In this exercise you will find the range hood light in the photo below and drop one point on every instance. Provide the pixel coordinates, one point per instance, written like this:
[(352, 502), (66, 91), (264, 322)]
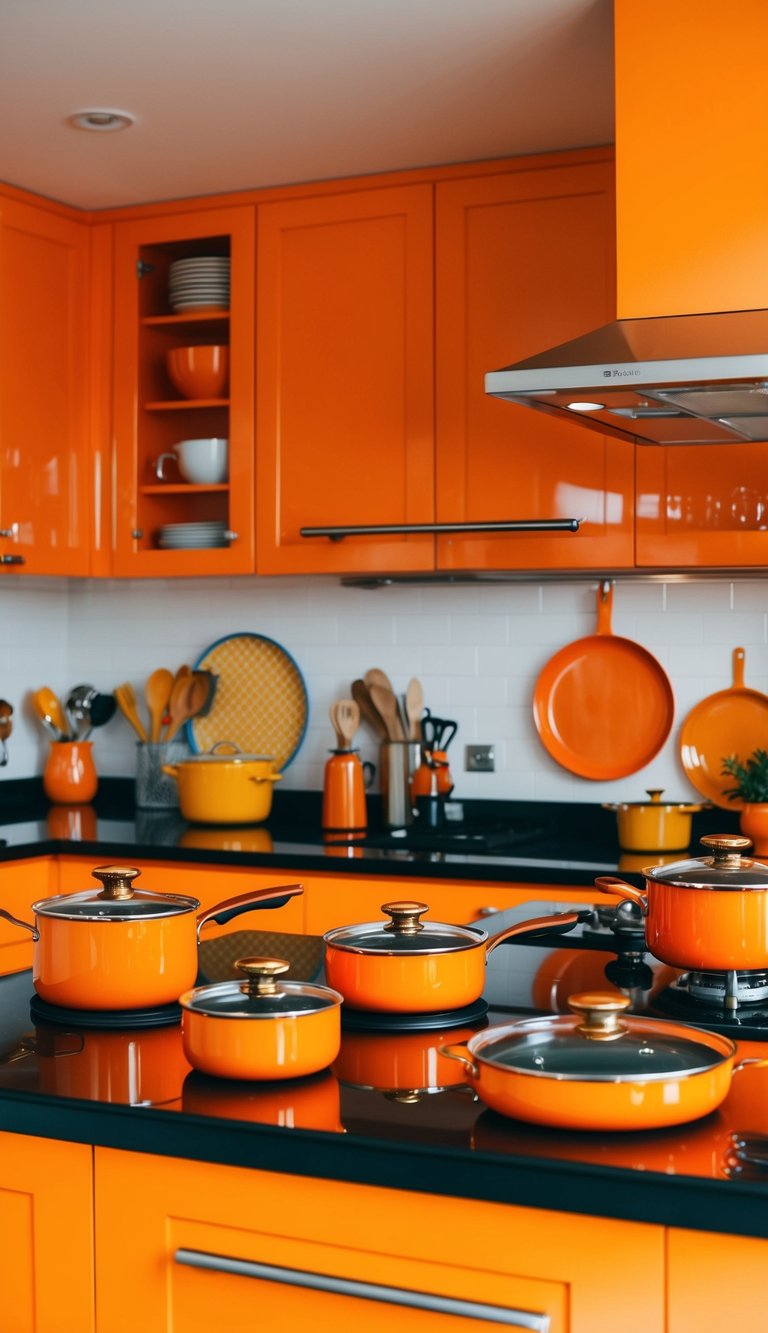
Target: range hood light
[(586, 407)]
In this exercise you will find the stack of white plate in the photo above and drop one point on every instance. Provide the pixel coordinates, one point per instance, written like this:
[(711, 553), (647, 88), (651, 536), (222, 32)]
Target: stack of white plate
[(182, 536), (199, 284)]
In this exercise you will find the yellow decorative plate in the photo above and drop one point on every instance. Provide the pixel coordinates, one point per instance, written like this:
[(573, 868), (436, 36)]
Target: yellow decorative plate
[(260, 701)]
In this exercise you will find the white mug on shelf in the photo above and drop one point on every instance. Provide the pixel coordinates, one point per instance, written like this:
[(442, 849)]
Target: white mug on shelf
[(202, 462)]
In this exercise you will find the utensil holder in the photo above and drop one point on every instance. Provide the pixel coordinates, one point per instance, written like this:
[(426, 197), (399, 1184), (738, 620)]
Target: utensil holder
[(69, 776), (398, 763), (344, 783), (154, 789)]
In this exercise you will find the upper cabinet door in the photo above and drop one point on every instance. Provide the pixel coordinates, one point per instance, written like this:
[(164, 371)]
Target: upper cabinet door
[(525, 260), (178, 517), (345, 380), (46, 473)]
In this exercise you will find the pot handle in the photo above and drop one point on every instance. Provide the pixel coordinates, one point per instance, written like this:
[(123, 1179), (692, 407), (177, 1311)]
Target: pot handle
[(268, 777), (459, 1053), (248, 902), (14, 920), (558, 922), (750, 1060), (609, 884), (171, 769)]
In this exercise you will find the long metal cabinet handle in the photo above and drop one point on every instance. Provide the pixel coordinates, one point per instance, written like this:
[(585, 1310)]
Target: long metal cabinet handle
[(371, 1291), (505, 525), (11, 559)]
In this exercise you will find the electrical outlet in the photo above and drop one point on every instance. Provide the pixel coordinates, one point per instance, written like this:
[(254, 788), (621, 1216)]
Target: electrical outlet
[(479, 758)]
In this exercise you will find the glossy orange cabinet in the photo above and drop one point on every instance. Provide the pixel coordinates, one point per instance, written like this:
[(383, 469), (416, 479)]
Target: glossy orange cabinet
[(46, 1225), (21, 884), (345, 379), (525, 259), (714, 1281), (150, 416), (330, 1255), (48, 481)]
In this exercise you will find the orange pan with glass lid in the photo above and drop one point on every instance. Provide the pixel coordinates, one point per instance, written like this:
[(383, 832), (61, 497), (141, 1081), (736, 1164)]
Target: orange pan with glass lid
[(603, 705), (733, 721)]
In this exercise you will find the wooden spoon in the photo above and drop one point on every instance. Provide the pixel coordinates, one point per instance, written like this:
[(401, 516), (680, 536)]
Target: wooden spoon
[(414, 707), (126, 702), (157, 692), (188, 696), (345, 716), (385, 703), (368, 709)]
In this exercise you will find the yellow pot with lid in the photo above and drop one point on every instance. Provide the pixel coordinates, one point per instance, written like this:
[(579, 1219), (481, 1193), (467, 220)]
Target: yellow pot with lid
[(654, 825), (225, 786)]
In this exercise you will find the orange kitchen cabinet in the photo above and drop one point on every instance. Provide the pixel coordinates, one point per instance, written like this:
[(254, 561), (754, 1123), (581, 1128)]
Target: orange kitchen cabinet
[(21, 884), (702, 506), (714, 1281), (345, 379), (150, 416), (692, 210), (524, 260), (331, 1242), (210, 884), (48, 481), (46, 1224)]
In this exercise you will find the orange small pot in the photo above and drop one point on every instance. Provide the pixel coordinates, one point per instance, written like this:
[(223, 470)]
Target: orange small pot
[(706, 914), (260, 1028), (123, 948), (409, 966), (594, 1070)]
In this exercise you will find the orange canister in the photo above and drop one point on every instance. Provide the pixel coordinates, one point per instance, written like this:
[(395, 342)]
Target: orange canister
[(344, 782), (262, 1027)]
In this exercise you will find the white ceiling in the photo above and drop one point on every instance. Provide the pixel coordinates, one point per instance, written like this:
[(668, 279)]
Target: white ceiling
[(239, 94)]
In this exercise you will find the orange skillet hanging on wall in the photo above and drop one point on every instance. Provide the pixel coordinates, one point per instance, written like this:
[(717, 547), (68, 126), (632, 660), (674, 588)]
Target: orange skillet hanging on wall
[(731, 721), (603, 706)]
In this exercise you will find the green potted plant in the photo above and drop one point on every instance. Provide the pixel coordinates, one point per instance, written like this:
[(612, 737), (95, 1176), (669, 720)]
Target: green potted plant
[(751, 788)]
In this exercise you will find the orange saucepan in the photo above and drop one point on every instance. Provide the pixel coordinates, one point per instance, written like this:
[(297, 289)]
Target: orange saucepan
[(261, 1028), (125, 948), (405, 965), (595, 1070), (709, 913)]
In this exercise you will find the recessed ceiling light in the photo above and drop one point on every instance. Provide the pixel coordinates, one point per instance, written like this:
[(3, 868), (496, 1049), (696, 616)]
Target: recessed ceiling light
[(586, 407), (101, 119)]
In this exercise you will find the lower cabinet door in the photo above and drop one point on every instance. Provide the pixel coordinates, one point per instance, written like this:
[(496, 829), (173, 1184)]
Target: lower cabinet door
[(46, 1231), (218, 1246), (21, 884), (715, 1281)]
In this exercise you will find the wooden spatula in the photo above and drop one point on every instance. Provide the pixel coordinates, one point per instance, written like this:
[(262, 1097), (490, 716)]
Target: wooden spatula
[(385, 703), (368, 710)]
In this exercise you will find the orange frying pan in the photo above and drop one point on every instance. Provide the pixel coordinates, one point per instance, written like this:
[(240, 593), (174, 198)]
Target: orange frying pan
[(732, 721), (603, 706)]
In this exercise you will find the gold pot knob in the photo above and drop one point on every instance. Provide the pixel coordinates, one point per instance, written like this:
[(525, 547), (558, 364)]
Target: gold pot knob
[(261, 974), (116, 881), (601, 1010), (726, 848), (405, 917)]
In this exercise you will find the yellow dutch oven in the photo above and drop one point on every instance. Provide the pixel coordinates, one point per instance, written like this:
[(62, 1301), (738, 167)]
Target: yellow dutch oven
[(653, 826), (225, 786)]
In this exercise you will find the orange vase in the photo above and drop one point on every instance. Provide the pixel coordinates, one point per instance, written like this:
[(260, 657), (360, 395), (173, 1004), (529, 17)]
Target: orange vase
[(69, 777), (753, 822)]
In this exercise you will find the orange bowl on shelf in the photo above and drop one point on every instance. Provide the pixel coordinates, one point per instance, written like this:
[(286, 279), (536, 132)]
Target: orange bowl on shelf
[(199, 372)]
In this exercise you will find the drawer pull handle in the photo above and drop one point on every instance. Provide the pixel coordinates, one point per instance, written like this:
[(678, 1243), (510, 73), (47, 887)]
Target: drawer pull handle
[(390, 529), (11, 559), (370, 1291)]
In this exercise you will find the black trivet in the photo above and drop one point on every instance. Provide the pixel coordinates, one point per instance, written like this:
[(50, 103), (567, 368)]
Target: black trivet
[(158, 1016), (370, 1021)]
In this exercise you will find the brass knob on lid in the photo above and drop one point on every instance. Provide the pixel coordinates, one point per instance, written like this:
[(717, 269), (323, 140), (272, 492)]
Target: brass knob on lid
[(405, 917), (116, 881), (726, 848), (260, 974), (601, 1009)]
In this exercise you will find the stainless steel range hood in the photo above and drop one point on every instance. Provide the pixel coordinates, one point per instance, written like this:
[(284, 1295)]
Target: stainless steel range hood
[(681, 379)]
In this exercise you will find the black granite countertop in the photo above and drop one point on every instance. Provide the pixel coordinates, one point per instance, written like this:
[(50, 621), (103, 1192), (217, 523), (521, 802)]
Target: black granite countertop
[(528, 842)]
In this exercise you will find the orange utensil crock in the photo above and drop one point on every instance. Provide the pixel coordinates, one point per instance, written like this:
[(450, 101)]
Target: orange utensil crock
[(69, 776)]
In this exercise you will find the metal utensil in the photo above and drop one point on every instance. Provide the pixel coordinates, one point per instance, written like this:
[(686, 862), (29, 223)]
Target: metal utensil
[(77, 707), (50, 712)]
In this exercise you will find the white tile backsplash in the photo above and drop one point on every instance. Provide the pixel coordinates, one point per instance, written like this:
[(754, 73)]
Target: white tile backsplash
[(477, 650)]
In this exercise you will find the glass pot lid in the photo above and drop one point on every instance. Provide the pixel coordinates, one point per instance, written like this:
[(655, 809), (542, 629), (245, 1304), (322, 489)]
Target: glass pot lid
[(726, 867), (405, 933), (596, 1044), (260, 994), (117, 900)]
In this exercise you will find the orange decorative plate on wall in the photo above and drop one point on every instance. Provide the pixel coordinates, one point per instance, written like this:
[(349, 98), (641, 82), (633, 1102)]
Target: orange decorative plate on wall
[(260, 701), (733, 721)]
